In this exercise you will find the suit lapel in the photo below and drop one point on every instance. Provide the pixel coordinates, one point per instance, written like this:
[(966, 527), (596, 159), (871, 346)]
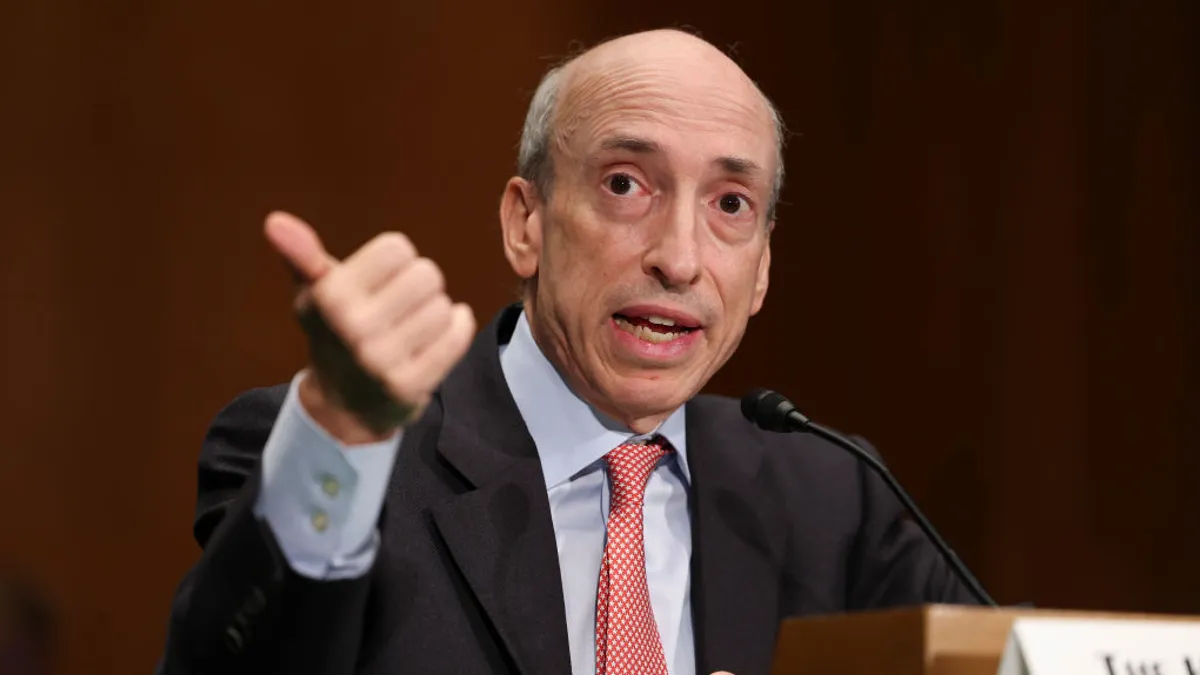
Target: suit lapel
[(737, 548), (501, 537), (500, 534)]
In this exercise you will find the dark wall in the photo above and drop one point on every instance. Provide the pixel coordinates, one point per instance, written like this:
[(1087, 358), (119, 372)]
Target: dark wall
[(986, 261)]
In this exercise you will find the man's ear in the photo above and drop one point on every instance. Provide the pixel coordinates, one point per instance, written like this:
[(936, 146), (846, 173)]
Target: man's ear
[(521, 226), (763, 278)]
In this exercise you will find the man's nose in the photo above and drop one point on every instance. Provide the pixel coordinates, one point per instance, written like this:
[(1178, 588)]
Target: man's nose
[(673, 255)]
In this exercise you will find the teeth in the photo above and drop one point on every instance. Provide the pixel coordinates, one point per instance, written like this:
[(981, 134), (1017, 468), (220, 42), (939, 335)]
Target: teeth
[(660, 321), (643, 333)]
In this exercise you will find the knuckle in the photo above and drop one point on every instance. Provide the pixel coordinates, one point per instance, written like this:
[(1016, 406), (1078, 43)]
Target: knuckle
[(404, 387), (333, 294), (355, 322), (466, 337), (440, 306), (462, 346), (325, 294), (336, 308), (394, 244), (370, 354), (430, 274)]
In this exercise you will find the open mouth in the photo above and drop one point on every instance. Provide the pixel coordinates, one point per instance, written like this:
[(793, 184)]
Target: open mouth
[(654, 329)]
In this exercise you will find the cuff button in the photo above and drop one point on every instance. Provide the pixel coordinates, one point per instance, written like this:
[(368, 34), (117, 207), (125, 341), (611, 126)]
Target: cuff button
[(320, 521), (330, 486)]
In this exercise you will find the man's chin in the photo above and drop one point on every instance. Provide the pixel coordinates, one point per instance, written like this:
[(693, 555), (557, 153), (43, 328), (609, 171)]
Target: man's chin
[(649, 397)]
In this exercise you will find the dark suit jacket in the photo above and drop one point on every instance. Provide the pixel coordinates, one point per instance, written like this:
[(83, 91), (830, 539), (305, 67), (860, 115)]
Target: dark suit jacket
[(467, 579)]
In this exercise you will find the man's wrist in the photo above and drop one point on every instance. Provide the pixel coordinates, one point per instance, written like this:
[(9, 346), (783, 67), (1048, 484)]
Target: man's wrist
[(338, 422)]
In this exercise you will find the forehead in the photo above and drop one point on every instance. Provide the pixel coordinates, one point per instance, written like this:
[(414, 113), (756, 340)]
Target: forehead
[(682, 103)]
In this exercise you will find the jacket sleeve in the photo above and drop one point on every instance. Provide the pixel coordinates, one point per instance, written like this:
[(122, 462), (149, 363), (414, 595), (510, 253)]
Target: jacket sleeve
[(892, 562), (241, 608)]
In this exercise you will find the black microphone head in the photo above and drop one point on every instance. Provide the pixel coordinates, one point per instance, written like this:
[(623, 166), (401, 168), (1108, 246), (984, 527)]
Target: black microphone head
[(750, 403), (769, 410)]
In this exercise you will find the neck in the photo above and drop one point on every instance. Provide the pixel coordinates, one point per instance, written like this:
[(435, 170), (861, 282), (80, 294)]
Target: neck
[(645, 425)]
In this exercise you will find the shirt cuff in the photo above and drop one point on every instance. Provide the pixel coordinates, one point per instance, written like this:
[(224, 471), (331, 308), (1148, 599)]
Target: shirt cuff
[(321, 498)]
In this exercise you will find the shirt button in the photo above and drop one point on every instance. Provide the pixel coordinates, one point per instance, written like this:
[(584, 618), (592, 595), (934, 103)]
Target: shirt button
[(320, 521), (331, 486)]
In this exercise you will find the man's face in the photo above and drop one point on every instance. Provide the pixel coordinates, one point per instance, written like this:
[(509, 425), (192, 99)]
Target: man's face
[(652, 249)]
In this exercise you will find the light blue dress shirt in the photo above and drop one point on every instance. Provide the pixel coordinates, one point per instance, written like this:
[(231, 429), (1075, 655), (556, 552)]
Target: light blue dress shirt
[(322, 499)]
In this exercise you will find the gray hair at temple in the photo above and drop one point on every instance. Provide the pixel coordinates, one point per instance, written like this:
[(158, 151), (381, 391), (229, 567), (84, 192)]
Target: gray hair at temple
[(533, 156)]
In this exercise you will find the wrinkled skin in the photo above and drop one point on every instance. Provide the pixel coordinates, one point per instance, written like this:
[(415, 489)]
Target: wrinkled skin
[(663, 155)]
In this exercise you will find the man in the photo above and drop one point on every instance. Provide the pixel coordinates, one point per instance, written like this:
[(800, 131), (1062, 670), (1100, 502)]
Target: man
[(555, 496)]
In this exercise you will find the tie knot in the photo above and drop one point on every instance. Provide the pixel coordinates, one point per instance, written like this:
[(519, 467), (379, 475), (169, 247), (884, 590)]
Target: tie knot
[(629, 466)]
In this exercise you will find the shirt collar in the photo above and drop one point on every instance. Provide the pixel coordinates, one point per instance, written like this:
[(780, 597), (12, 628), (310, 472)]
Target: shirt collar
[(569, 433)]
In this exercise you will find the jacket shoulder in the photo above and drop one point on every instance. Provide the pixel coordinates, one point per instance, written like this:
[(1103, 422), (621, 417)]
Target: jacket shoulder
[(252, 407)]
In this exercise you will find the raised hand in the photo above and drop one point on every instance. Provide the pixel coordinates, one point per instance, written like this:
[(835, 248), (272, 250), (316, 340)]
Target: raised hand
[(382, 332)]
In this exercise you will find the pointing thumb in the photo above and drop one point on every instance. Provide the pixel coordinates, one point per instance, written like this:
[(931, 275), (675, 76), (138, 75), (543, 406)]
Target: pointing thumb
[(299, 244)]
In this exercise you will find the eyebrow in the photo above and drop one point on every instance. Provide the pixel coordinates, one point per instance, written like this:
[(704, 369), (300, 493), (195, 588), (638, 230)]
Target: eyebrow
[(738, 166), (639, 146)]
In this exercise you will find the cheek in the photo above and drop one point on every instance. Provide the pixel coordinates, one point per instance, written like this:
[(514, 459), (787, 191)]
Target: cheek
[(588, 251), (737, 281), (573, 275)]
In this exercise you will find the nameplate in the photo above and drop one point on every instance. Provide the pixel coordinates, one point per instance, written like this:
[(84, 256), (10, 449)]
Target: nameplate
[(1100, 647)]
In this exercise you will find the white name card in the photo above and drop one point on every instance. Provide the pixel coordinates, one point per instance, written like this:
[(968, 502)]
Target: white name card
[(1099, 647)]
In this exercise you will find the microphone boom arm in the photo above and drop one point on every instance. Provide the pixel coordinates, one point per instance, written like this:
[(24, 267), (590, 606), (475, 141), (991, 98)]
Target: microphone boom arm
[(882, 471), (772, 411)]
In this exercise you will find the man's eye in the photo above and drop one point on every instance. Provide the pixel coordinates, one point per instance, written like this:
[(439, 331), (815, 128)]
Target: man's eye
[(621, 183), (733, 203)]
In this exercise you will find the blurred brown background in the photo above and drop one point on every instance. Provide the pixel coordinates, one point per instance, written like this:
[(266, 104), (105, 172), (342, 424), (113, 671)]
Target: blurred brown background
[(987, 262)]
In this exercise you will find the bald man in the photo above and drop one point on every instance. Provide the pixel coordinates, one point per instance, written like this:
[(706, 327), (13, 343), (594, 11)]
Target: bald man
[(552, 495)]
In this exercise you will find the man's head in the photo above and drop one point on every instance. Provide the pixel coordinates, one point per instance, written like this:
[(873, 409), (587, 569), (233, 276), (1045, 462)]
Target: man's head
[(649, 170)]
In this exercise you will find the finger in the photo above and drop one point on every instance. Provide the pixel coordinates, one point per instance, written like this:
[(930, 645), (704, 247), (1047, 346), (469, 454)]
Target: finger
[(427, 368), (378, 261), (299, 245), (396, 348), (400, 297), (345, 294), (427, 324)]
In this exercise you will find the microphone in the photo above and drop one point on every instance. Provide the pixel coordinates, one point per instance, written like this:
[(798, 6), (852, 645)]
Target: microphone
[(774, 412)]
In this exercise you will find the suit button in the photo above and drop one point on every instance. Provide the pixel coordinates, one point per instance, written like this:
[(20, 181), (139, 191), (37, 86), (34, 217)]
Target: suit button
[(234, 641)]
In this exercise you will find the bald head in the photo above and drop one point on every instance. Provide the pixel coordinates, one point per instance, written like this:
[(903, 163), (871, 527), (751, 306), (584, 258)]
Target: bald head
[(629, 72), (645, 262)]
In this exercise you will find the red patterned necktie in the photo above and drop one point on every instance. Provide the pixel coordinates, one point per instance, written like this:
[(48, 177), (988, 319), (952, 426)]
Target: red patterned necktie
[(627, 640)]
